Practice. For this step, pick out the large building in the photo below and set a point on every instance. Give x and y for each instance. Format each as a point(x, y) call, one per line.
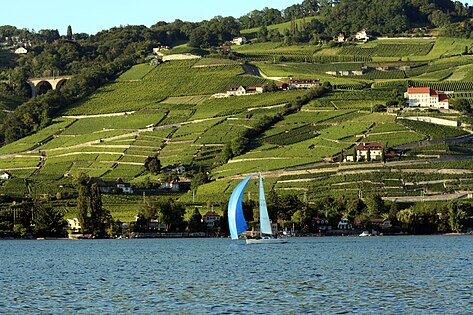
point(303, 83)
point(373, 150)
point(426, 97)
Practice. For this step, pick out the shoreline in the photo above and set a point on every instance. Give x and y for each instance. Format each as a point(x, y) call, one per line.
point(174, 236)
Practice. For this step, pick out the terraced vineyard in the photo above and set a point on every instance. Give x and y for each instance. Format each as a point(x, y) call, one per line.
point(170, 113)
point(381, 49)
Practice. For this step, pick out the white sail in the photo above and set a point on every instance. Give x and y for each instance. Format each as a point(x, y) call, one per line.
point(265, 224)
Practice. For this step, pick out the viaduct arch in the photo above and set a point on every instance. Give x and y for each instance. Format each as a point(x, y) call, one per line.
point(42, 85)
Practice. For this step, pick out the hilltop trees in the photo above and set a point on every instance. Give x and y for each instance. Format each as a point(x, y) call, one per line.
point(69, 33)
point(211, 33)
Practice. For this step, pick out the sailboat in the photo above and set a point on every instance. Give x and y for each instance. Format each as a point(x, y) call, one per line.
point(236, 219)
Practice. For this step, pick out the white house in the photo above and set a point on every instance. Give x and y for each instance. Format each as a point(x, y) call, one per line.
point(73, 224)
point(381, 223)
point(21, 51)
point(344, 224)
point(5, 176)
point(374, 150)
point(303, 83)
point(341, 38)
point(426, 97)
point(211, 218)
point(362, 36)
point(171, 185)
point(240, 40)
point(125, 187)
point(245, 90)
point(179, 169)
point(158, 49)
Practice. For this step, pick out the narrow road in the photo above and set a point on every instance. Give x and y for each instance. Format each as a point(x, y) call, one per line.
point(461, 139)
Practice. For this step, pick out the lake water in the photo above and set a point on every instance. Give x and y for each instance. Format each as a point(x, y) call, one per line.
point(326, 275)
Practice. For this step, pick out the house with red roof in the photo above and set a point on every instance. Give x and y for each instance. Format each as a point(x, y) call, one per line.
point(240, 40)
point(426, 97)
point(369, 151)
point(245, 90)
point(303, 83)
point(340, 38)
point(211, 218)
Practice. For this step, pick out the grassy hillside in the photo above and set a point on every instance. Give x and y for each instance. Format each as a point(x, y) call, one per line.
point(178, 78)
point(169, 113)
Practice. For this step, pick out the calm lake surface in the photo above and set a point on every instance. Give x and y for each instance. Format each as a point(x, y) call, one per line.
point(326, 275)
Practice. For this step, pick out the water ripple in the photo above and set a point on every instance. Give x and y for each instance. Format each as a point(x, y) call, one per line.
point(388, 275)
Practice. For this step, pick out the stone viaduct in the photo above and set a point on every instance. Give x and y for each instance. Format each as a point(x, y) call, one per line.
point(42, 85)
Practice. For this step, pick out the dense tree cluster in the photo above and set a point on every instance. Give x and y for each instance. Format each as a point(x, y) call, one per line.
point(269, 16)
point(93, 218)
point(167, 212)
point(417, 219)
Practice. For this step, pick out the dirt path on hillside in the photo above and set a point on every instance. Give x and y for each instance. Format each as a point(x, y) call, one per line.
point(461, 139)
point(98, 115)
point(255, 71)
point(440, 197)
point(317, 168)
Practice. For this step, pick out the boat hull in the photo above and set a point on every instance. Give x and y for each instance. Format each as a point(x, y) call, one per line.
point(266, 240)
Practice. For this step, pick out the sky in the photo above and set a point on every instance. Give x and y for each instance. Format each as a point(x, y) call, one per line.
point(92, 16)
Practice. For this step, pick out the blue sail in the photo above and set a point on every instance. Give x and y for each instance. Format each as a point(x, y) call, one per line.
point(236, 219)
point(265, 224)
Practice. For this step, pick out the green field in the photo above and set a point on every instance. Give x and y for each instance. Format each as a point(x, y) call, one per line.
point(170, 112)
point(177, 78)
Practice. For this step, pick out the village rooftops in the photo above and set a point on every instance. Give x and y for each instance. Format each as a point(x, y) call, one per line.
point(211, 214)
point(426, 97)
point(443, 98)
point(304, 81)
point(371, 146)
point(426, 90)
point(422, 90)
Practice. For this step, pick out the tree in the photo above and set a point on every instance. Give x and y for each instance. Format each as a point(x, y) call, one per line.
point(226, 154)
point(199, 179)
point(49, 35)
point(99, 217)
point(393, 209)
point(153, 164)
point(195, 223)
point(273, 203)
point(374, 204)
point(302, 219)
point(48, 221)
point(378, 108)
point(263, 34)
point(170, 213)
point(461, 105)
point(83, 207)
point(439, 18)
point(354, 207)
point(456, 216)
point(407, 217)
point(311, 7)
point(69, 33)
point(238, 145)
